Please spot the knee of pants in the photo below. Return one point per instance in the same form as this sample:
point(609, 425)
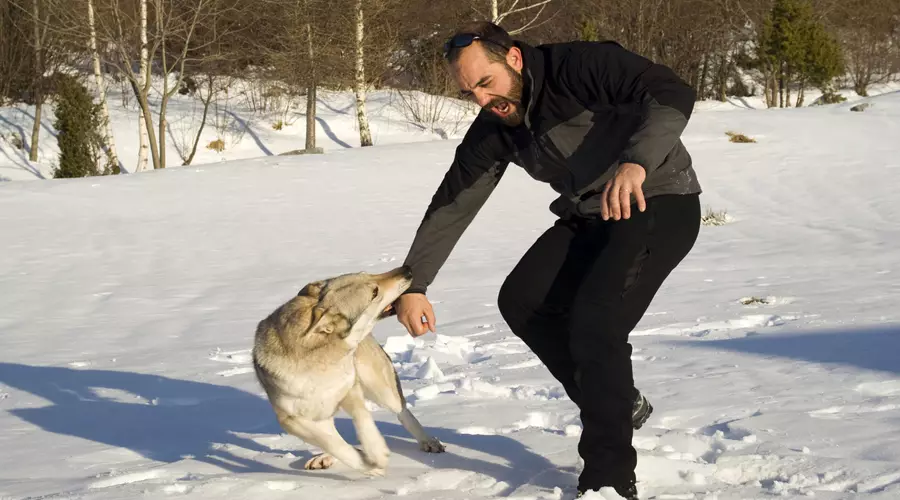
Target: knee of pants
point(599, 338)
point(514, 303)
point(600, 351)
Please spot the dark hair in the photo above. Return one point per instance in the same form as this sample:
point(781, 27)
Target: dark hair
point(494, 40)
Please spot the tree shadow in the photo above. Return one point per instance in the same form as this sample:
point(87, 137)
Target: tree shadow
point(875, 347)
point(330, 133)
point(253, 134)
point(50, 130)
point(166, 419)
point(22, 159)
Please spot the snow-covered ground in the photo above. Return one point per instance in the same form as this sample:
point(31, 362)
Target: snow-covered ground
point(128, 305)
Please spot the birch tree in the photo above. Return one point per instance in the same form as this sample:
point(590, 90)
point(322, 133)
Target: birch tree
point(365, 135)
point(141, 86)
point(526, 14)
point(174, 64)
point(169, 40)
point(108, 138)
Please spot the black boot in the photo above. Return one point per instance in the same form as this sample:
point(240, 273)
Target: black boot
point(626, 491)
point(641, 410)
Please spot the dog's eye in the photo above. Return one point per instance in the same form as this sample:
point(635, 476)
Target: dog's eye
point(375, 292)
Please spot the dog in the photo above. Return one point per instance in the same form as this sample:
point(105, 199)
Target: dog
point(314, 355)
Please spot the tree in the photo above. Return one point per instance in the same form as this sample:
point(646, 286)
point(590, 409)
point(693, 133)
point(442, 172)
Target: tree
point(108, 138)
point(528, 13)
point(822, 61)
point(78, 122)
point(365, 135)
point(793, 45)
point(869, 33)
point(171, 35)
point(15, 53)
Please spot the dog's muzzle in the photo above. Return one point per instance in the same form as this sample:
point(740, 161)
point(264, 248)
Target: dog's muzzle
point(388, 312)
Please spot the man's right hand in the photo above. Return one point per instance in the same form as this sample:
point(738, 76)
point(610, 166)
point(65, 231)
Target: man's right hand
point(411, 308)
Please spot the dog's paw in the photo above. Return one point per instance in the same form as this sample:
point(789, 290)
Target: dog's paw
point(319, 462)
point(433, 445)
point(375, 472)
point(378, 458)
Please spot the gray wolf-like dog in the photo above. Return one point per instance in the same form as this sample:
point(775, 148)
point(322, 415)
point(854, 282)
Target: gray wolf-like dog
point(314, 355)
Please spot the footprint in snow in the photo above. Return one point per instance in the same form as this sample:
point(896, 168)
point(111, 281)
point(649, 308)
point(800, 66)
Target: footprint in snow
point(241, 357)
point(478, 484)
point(134, 477)
point(704, 328)
point(567, 424)
point(880, 389)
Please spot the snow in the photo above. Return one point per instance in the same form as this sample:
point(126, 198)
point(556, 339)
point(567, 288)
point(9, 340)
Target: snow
point(128, 305)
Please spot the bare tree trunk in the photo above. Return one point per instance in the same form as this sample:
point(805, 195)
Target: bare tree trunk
point(780, 87)
point(147, 120)
point(101, 88)
point(365, 136)
point(787, 89)
point(144, 81)
point(164, 102)
point(723, 76)
point(701, 87)
point(38, 83)
point(211, 82)
point(311, 96)
point(163, 105)
point(773, 84)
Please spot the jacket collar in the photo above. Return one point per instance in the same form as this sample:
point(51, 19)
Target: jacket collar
point(532, 76)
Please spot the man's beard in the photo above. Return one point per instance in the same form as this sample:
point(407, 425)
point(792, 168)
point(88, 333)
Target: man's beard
point(514, 98)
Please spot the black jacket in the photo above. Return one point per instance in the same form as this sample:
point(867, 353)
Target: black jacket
point(589, 106)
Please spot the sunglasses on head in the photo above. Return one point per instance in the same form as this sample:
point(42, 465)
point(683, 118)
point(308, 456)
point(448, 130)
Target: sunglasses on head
point(466, 39)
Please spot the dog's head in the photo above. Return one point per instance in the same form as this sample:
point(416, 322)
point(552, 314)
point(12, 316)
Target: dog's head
point(353, 301)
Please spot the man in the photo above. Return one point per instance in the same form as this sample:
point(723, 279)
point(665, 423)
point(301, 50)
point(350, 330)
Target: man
point(602, 126)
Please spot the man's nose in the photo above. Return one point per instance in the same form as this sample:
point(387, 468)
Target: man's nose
point(481, 97)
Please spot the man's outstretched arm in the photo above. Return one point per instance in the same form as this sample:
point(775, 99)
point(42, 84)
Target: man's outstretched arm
point(470, 180)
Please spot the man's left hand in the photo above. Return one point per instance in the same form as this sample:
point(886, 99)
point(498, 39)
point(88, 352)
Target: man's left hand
point(616, 196)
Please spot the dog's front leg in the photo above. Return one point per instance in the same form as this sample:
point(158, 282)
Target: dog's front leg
point(323, 434)
point(373, 444)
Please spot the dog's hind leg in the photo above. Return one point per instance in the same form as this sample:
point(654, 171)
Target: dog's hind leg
point(381, 385)
point(323, 434)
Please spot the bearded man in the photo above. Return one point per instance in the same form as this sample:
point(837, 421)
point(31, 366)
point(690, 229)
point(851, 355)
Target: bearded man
point(602, 126)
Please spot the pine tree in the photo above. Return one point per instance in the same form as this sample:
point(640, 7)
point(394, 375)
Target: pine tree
point(794, 47)
point(78, 122)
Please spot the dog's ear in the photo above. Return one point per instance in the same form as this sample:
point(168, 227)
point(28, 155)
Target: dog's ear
point(311, 289)
point(325, 322)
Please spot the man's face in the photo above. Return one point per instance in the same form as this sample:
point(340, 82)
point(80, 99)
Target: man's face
point(495, 86)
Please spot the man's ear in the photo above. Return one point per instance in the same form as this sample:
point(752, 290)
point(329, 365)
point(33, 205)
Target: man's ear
point(514, 59)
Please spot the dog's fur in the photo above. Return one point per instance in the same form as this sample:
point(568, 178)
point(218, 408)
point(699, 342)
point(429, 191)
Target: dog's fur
point(314, 355)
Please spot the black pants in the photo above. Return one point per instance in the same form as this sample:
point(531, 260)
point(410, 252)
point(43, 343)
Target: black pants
point(574, 298)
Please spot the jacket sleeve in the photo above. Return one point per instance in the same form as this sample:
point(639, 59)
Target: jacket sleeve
point(474, 173)
point(606, 74)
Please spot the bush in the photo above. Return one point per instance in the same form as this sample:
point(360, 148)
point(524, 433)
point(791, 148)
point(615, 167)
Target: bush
point(217, 145)
point(739, 138)
point(713, 218)
point(831, 97)
point(78, 123)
